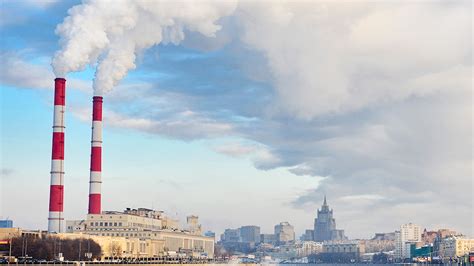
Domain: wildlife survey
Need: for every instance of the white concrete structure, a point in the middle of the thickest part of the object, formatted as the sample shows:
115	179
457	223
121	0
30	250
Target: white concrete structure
408	234
144	224
306	248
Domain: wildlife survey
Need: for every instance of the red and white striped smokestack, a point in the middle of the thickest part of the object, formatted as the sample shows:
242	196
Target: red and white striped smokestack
56	195
96	157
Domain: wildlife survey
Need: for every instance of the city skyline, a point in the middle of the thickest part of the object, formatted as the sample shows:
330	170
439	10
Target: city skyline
249	128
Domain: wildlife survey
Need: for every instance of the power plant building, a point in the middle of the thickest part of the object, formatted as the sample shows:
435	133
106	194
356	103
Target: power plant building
135	232
149	227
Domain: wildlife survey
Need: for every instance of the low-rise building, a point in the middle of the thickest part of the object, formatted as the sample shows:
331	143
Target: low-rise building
7	233
356	247
143	232
231	235
6	223
268	239
306	248
308	235
456	246
341	251
378	245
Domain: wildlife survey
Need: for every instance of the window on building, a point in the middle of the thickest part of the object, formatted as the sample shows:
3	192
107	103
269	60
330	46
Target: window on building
115	224
101	224
120	224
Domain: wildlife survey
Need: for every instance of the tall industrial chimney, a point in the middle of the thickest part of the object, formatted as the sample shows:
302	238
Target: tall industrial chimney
96	157
56	195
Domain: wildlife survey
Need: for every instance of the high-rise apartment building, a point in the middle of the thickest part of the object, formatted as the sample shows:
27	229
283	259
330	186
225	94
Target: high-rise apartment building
408	234
250	234
284	232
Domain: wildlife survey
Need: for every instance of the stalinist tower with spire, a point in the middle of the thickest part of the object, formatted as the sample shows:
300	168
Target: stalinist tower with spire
325	225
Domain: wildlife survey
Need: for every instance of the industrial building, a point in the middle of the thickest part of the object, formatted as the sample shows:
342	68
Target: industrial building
132	233
144	233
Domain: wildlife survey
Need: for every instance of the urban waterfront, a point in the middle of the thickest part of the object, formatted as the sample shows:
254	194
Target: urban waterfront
246	132
148	236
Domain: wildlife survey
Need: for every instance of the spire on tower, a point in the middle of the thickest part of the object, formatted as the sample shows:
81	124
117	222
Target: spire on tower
325	203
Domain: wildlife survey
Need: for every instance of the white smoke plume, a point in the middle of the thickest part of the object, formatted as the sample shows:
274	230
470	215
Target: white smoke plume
111	34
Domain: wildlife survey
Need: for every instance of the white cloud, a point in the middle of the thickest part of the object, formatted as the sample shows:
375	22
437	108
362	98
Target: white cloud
341	57
185	125
235	149
17	72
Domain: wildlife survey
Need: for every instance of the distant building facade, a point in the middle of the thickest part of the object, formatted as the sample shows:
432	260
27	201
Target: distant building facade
193	224
341	251
456	246
268	239
325	225
155	229
250	234
285	233
231	235
429	237
308	235
440	235
6	224
409	234
306	248
210	234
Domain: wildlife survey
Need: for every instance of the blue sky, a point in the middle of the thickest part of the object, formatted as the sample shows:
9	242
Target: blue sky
368	103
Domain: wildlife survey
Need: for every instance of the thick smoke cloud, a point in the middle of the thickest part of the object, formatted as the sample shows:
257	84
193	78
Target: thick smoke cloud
112	35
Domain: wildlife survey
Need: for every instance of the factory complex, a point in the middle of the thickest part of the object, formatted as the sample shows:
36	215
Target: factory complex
133	233
145	233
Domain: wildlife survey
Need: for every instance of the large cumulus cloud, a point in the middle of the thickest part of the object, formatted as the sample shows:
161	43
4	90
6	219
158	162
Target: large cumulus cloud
372	99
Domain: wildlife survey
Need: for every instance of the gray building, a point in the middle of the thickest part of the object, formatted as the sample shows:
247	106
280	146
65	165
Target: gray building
268	239
210	234
231	235
308	235
325	225
284	232
250	234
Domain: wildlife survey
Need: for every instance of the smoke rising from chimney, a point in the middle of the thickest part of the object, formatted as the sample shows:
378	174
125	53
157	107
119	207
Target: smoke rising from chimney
111	35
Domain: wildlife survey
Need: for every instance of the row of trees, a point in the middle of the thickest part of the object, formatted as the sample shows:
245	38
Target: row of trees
49	247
